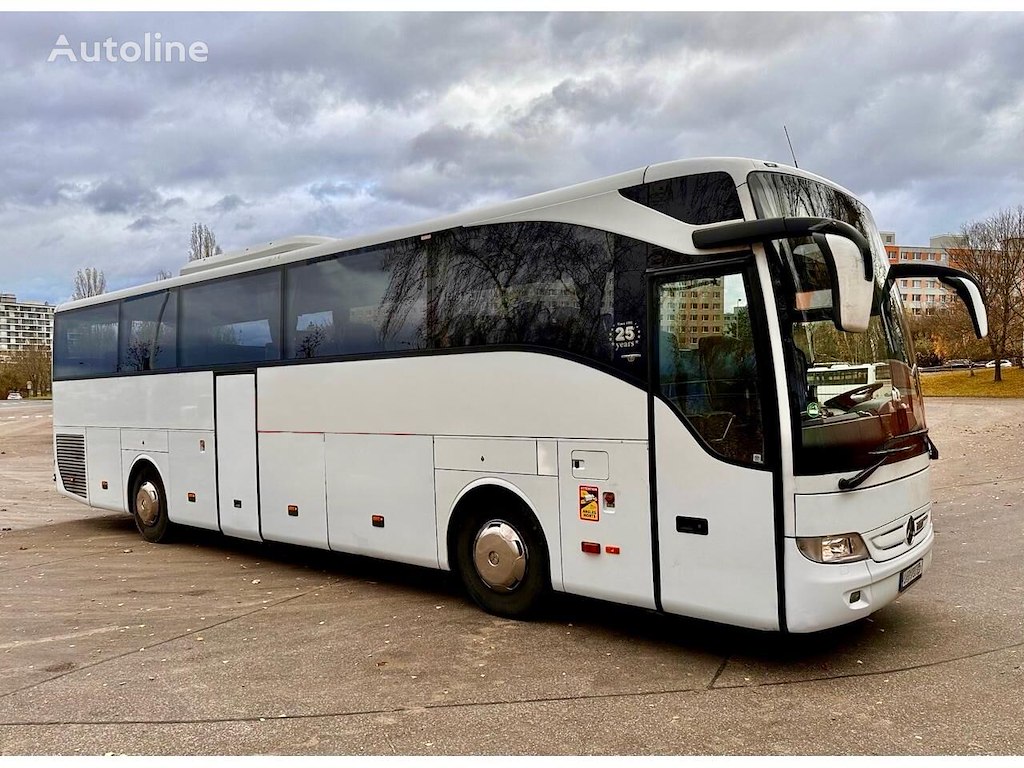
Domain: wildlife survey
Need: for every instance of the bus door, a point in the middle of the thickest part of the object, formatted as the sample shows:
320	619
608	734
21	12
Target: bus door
716	532
236	455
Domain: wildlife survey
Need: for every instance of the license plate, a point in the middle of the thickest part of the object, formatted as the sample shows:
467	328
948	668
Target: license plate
911	574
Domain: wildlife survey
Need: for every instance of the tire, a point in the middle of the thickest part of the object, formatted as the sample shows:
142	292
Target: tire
149	507
502	559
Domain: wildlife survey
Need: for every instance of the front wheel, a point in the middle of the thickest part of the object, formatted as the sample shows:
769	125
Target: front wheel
502	559
149	507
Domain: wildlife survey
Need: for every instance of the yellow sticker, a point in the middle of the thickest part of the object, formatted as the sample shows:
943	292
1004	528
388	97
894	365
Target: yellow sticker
588	503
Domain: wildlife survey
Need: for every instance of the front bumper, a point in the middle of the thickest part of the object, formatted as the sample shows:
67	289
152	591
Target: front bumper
818	596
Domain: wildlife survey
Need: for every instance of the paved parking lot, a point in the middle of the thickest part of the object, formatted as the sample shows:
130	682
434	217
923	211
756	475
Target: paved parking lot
212	646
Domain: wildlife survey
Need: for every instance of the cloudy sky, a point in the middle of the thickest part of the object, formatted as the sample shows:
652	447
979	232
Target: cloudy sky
347	123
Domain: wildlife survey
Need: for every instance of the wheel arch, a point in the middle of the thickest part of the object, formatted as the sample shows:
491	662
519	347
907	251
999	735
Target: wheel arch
139	464
494	490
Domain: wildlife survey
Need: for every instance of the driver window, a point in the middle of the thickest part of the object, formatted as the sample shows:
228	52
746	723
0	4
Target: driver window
708	364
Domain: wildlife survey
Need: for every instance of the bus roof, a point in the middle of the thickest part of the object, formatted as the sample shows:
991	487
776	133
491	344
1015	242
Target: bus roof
299	248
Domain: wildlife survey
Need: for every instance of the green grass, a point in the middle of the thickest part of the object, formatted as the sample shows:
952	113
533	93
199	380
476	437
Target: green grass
959	383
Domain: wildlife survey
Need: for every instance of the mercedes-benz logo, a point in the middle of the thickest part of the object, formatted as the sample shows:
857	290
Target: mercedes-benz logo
910	531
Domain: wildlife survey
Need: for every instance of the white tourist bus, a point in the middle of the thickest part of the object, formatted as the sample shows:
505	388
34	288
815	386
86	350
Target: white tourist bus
828	380
601	390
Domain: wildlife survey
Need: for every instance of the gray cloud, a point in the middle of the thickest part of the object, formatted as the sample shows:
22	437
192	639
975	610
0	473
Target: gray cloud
227	204
325	190
120	196
148	223
338	123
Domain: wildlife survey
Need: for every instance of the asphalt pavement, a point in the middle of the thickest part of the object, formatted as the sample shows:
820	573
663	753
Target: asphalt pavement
216	646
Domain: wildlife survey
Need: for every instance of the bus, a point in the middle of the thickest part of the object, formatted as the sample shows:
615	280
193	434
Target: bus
832	379
602	390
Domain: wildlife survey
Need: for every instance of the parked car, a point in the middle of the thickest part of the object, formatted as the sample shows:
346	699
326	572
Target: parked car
14	395
960	363
1005	364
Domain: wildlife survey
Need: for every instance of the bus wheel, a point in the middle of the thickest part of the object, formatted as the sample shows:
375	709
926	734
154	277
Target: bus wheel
149	506
502	559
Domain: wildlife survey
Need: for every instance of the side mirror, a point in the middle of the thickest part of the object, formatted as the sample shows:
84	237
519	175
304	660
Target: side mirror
846	252
851	293
965	285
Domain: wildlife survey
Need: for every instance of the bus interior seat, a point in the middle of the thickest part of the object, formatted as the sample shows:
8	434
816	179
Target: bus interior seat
729	371
798	375
682	380
668	349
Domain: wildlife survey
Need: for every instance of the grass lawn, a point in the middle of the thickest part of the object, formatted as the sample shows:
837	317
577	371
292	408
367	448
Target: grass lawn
959	383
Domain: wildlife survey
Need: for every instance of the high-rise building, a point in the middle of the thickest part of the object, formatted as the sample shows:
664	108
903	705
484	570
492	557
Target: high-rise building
925	294
692	310
24	325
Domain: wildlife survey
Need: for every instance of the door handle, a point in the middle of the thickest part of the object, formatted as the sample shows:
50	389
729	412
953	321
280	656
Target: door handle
697	525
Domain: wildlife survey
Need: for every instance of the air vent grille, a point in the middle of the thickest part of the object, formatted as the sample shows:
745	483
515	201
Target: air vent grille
71	463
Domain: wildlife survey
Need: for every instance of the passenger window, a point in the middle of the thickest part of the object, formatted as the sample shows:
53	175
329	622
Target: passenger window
148	330
85	342
348	305
231	321
708	368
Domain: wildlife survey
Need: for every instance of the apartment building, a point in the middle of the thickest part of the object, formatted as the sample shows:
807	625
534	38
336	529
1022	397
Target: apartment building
922	295
693	310
24	324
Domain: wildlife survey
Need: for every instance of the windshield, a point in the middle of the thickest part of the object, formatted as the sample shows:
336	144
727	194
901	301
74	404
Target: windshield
856	397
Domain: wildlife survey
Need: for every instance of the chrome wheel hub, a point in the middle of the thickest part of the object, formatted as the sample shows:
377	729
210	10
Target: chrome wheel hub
500	556
147	503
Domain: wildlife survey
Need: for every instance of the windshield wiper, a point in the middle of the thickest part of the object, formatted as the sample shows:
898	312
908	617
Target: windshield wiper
933	451
849	483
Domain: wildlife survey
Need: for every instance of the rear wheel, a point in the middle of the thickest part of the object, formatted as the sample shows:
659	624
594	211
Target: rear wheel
502	559
149	506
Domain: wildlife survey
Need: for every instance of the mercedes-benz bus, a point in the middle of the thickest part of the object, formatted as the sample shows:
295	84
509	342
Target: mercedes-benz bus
602	390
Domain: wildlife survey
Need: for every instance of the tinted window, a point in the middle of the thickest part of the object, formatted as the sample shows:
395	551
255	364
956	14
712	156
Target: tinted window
234	320
702	198
540	284
352	305
148	336
85	342
533	283
707	362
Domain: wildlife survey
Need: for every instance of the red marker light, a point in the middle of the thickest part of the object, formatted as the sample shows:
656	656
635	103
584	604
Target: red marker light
609	500
192	497
612	550
590	547
377	521
293	510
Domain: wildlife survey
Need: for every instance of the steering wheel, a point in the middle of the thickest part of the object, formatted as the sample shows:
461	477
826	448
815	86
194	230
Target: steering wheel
847	400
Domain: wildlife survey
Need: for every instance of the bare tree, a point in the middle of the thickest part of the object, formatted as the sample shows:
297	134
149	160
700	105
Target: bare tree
89	282
992	251
203	243
26	370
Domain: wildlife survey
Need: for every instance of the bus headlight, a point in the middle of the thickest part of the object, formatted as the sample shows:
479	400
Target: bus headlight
843	548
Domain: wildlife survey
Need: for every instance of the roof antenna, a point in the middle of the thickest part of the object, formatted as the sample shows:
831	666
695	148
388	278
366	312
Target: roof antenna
795	164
